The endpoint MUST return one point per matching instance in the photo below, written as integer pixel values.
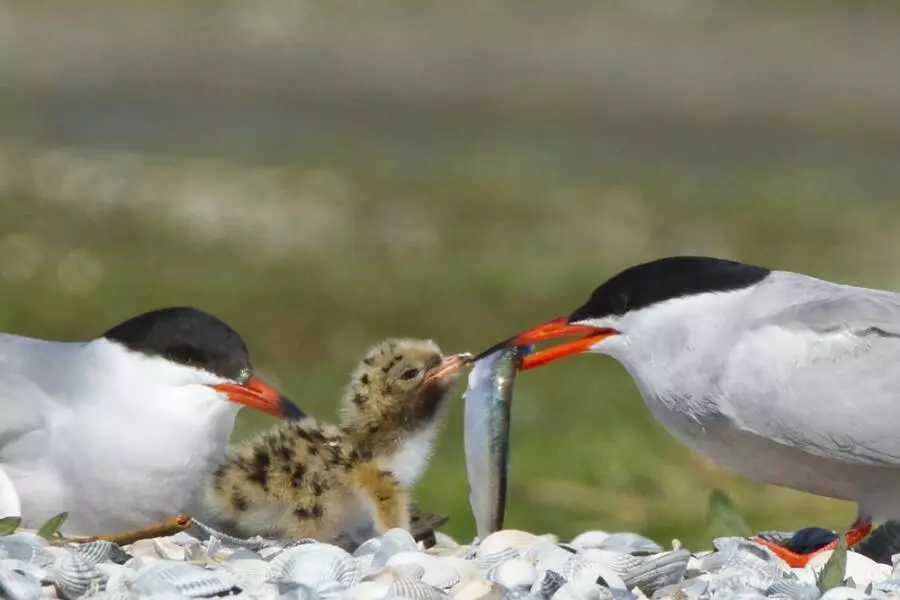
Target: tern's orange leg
(859, 530)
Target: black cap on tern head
(646, 284)
(189, 337)
(194, 338)
(633, 289)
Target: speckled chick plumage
(313, 479)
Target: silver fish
(486, 437)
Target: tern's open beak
(553, 329)
(449, 367)
(261, 396)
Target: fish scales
(488, 398)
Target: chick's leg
(389, 499)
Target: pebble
(506, 565)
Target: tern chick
(310, 479)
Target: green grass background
(462, 229)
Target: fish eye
(410, 373)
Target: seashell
(443, 575)
(168, 550)
(658, 571)
(478, 590)
(486, 561)
(738, 578)
(25, 547)
(42, 574)
(367, 590)
(736, 554)
(507, 594)
(862, 569)
(793, 588)
(370, 546)
(296, 591)
(331, 590)
(581, 568)
(401, 536)
(74, 575)
(746, 594)
(843, 593)
(888, 586)
(393, 541)
(620, 562)
(185, 578)
(691, 589)
(137, 562)
(254, 543)
(442, 540)
(17, 585)
(515, 574)
(314, 564)
(116, 576)
(100, 551)
(589, 539)
(582, 591)
(408, 571)
(417, 590)
(264, 591)
(116, 595)
(547, 583)
(497, 542)
(408, 557)
(630, 543)
(244, 554)
(548, 556)
(248, 572)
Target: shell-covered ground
(508, 564)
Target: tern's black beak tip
(499, 346)
(289, 410)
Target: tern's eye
(619, 303)
(410, 373)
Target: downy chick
(312, 479)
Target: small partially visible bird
(777, 376)
(312, 479)
(120, 431)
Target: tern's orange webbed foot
(858, 531)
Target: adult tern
(776, 376)
(119, 431)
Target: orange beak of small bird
(552, 329)
(259, 395)
(448, 367)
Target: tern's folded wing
(822, 374)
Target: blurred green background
(325, 175)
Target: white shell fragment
(186, 579)
(75, 575)
(18, 585)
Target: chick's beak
(449, 367)
(261, 396)
(554, 328)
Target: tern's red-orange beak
(261, 396)
(555, 328)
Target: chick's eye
(408, 374)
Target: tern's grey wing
(32, 374)
(821, 371)
(802, 303)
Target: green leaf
(49, 529)
(723, 517)
(832, 575)
(9, 525)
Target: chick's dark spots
(307, 478)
